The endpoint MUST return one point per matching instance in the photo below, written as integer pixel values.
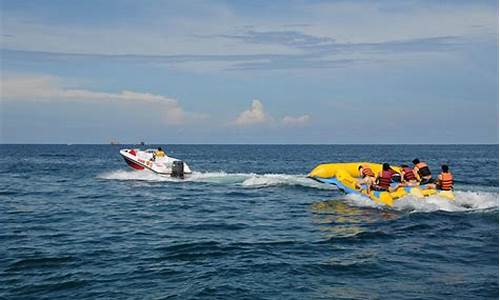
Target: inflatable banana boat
(346, 177)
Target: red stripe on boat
(133, 164)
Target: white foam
(247, 180)
(132, 175)
(477, 200)
(362, 201)
(267, 180)
(464, 201)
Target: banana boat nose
(322, 171)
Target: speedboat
(146, 160)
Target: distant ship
(114, 142)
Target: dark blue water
(77, 223)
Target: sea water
(77, 222)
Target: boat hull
(133, 164)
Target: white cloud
(299, 120)
(155, 35)
(254, 115)
(50, 89)
(257, 115)
(165, 31)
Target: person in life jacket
(409, 176)
(384, 178)
(158, 153)
(367, 177)
(423, 171)
(396, 177)
(444, 180)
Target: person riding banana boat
(381, 182)
(385, 178)
(390, 184)
(367, 177)
(444, 181)
(409, 176)
(423, 171)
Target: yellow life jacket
(159, 153)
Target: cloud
(257, 115)
(323, 34)
(296, 121)
(224, 62)
(45, 88)
(318, 44)
(287, 38)
(254, 115)
(314, 52)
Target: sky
(320, 72)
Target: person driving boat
(159, 153)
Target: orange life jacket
(446, 183)
(423, 169)
(367, 172)
(385, 179)
(408, 174)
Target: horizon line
(261, 144)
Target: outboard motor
(177, 169)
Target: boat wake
(464, 201)
(246, 180)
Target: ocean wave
(267, 180)
(246, 180)
(464, 201)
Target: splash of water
(246, 180)
(464, 201)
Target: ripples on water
(77, 223)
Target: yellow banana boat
(346, 177)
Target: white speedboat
(145, 159)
